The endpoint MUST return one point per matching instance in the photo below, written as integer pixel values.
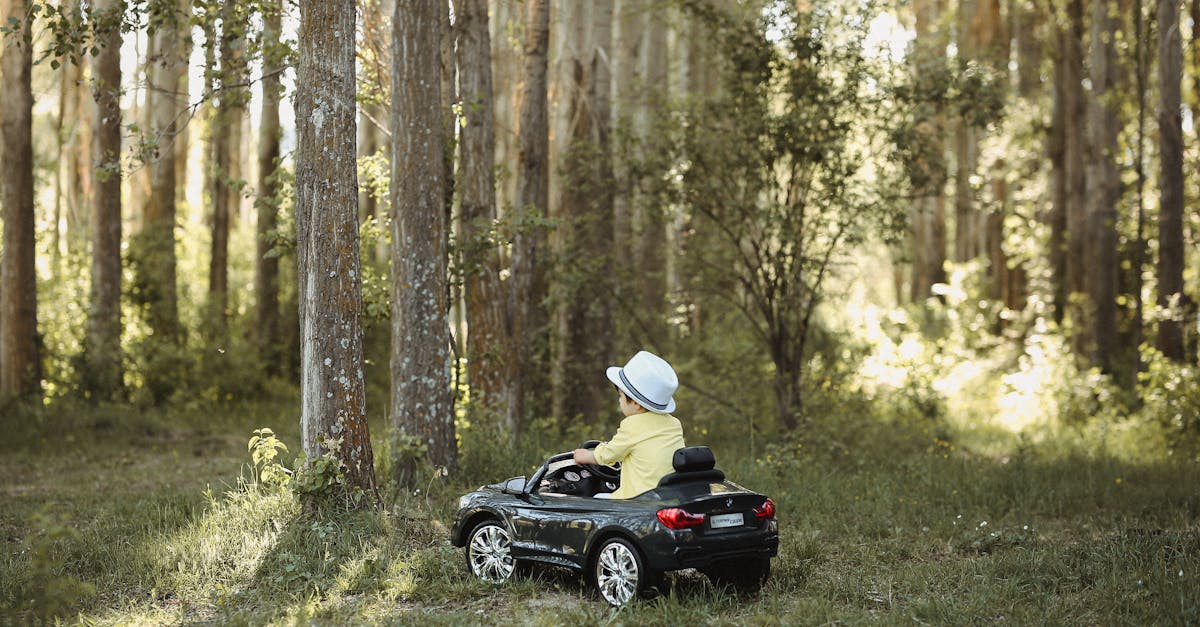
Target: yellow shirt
(645, 445)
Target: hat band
(637, 396)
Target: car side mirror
(516, 485)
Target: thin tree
(1170, 180)
(584, 323)
(152, 247)
(928, 212)
(268, 323)
(1103, 186)
(527, 284)
(19, 372)
(333, 416)
(226, 131)
(102, 372)
(487, 337)
(422, 404)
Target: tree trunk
(152, 248)
(1074, 150)
(268, 324)
(585, 344)
(1194, 10)
(227, 140)
(1029, 26)
(506, 68)
(966, 149)
(19, 371)
(656, 231)
(487, 341)
(928, 213)
(102, 376)
(1170, 221)
(1103, 186)
(527, 284)
(422, 403)
(75, 146)
(333, 416)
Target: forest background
(913, 262)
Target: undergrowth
(882, 518)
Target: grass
(114, 517)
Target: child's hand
(584, 456)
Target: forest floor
(117, 517)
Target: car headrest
(693, 458)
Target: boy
(649, 435)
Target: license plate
(723, 521)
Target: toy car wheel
(489, 552)
(618, 571)
(744, 576)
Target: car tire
(489, 553)
(746, 576)
(619, 572)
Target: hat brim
(614, 375)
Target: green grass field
(114, 518)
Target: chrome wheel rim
(617, 573)
(491, 559)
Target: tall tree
(19, 371)
(1103, 186)
(504, 32)
(1065, 147)
(225, 192)
(527, 284)
(584, 322)
(422, 404)
(487, 333)
(268, 322)
(928, 213)
(1170, 180)
(102, 374)
(75, 147)
(333, 416)
(651, 223)
(152, 248)
(966, 146)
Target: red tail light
(766, 511)
(675, 518)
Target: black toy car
(694, 518)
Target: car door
(555, 528)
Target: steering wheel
(606, 473)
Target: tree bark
(19, 370)
(1075, 198)
(1030, 33)
(1103, 186)
(75, 145)
(152, 247)
(422, 403)
(506, 74)
(928, 213)
(657, 233)
(268, 323)
(527, 283)
(1170, 221)
(227, 138)
(333, 392)
(103, 373)
(487, 335)
(585, 342)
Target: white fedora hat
(647, 379)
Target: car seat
(692, 463)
